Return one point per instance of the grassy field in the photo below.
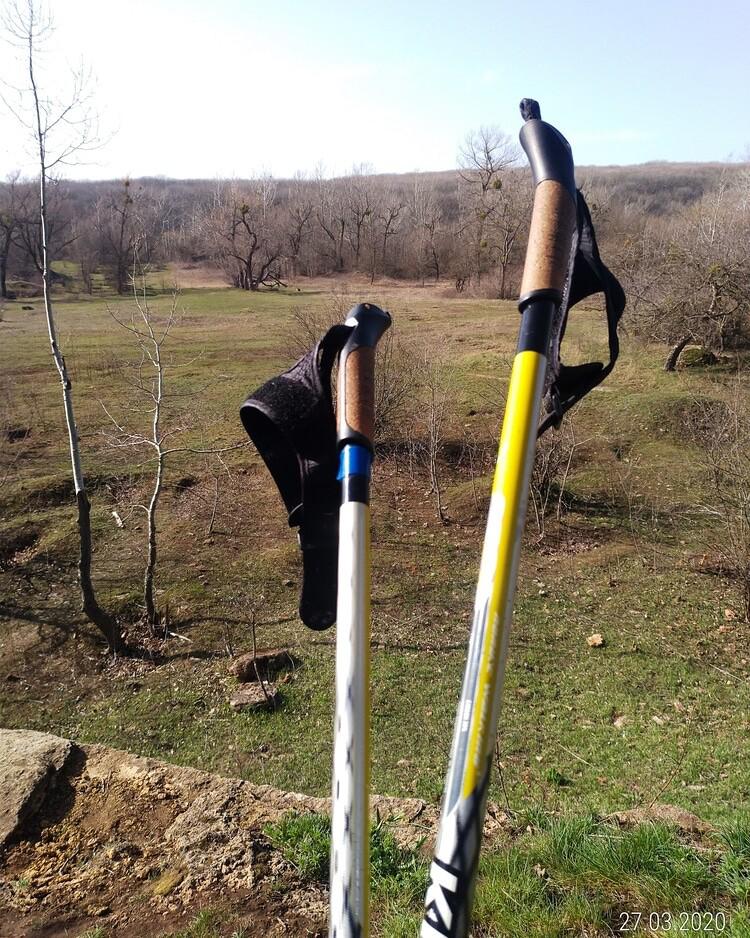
(657, 712)
(561, 876)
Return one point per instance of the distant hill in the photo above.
(656, 188)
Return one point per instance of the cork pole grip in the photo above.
(553, 222)
(360, 391)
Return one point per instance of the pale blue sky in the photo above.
(235, 87)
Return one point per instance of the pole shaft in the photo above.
(350, 809)
(453, 870)
(350, 818)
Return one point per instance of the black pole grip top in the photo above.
(548, 152)
(370, 322)
(356, 400)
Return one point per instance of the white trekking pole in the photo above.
(321, 464)
(350, 817)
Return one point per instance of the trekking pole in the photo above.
(321, 464)
(548, 259)
(350, 809)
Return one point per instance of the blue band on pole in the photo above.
(354, 460)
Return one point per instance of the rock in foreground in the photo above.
(262, 696)
(29, 767)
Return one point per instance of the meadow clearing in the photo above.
(625, 545)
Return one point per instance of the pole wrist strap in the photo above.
(587, 275)
(290, 420)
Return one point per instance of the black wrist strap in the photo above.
(567, 384)
(290, 420)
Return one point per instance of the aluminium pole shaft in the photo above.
(350, 849)
(457, 849)
(350, 808)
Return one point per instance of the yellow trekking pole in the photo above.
(553, 245)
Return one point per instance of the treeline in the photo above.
(466, 227)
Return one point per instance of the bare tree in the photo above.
(390, 214)
(60, 129)
(331, 214)
(553, 459)
(118, 231)
(85, 251)
(425, 216)
(245, 234)
(690, 280)
(508, 220)
(148, 386)
(299, 213)
(726, 459)
(359, 205)
(396, 376)
(150, 337)
(486, 211)
(435, 388)
(12, 211)
(485, 155)
(58, 230)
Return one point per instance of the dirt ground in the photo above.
(201, 276)
(138, 847)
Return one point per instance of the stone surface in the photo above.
(254, 697)
(143, 843)
(270, 661)
(694, 356)
(29, 763)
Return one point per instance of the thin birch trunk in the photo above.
(148, 579)
(157, 441)
(91, 607)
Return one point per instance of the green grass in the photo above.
(557, 877)
(735, 866)
(572, 876)
(665, 668)
(305, 841)
(398, 876)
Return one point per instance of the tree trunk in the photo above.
(435, 484)
(122, 278)
(340, 247)
(434, 450)
(93, 611)
(242, 281)
(148, 580)
(671, 363)
(87, 278)
(91, 607)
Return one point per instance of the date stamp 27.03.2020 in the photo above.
(702, 922)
